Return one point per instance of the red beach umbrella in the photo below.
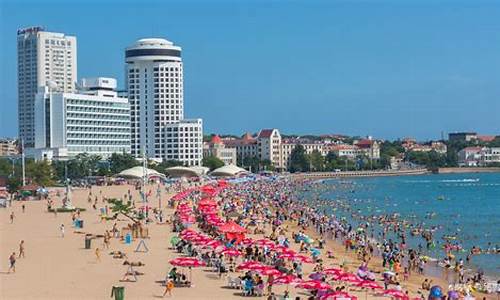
(231, 227)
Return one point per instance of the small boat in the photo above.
(440, 197)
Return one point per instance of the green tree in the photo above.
(164, 165)
(119, 162)
(298, 160)
(317, 161)
(39, 172)
(212, 162)
(117, 206)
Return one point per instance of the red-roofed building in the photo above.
(370, 147)
(217, 148)
(486, 138)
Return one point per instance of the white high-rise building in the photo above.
(42, 56)
(154, 81)
(93, 120)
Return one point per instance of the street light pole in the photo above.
(23, 162)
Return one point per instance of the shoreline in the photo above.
(381, 173)
(465, 170)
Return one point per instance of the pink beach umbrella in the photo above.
(250, 265)
(212, 244)
(314, 285)
(332, 271)
(287, 279)
(230, 252)
(269, 271)
(396, 294)
(265, 242)
(347, 277)
(338, 296)
(189, 262)
(369, 285)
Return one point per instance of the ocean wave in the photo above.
(460, 180)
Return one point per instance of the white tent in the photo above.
(229, 170)
(138, 173)
(181, 171)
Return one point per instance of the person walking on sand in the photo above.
(98, 254)
(21, 249)
(23, 207)
(168, 288)
(12, 217)
(61, 228)
(12, 261)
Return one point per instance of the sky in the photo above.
(387, 69)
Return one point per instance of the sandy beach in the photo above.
(58, 267)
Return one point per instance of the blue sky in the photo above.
(382, 68)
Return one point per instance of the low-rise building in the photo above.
(462, 136)
(184, 141)
(288, 145)
(8, 147)
(469, 156)
(217, 148)
(369, 147)
(93, 120)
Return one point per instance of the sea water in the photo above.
(463, 205)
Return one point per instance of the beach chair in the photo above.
(259, 290)
(233, 283)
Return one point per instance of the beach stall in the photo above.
(28, 192)
(233, 231)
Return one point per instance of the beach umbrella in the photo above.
(265, 242)
(303, 258)
(314, 285)
(189, 262)
(230, 252)
(247, 241)
(396, 294)
(338, 296)
(347, 277)
(369, 285)
(231, 227)
(250, 265)
(212, 244)
(366, 284)
(283, 249)
(332, 271)
(268, 271)
(287, 279)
